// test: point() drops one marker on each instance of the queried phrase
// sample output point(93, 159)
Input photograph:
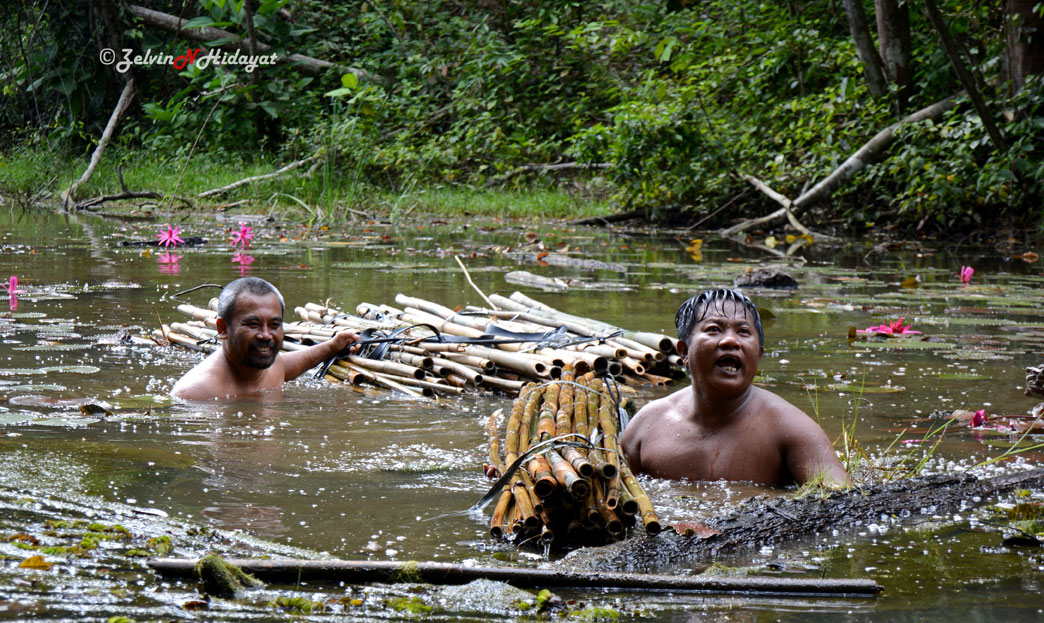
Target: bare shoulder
point(203, 382)
point(651, 418)
point(785, 415)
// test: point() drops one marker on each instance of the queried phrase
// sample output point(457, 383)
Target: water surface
point(360, 473)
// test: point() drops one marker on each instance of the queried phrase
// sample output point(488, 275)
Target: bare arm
point(630, 441)
point(809, 453)
point(297, 362)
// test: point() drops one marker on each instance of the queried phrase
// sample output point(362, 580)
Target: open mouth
point(729, 364)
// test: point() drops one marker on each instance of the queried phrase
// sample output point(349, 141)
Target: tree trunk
point(765, 521)
point(967, 81)
point(872, 66)
point(893, 34)
point(1025, 34)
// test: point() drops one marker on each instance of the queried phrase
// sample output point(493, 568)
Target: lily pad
point(43, 387)
point(857, 389)
point(67, 422)
point(18, 417)
point(53, 347)
point(904, 344)
point(27, 315)
point(21, 371)
point(72, 369)
point(960, 376)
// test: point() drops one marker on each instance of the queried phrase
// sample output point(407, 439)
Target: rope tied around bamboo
point(571, 486)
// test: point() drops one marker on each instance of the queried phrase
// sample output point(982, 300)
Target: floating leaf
point(53, 347)
point(960, 376)
point(906, 344)
point(18, 417)
point(44, 387)
point(35, 562)
point(72, 369)
point(67, 422)
point(21, 371)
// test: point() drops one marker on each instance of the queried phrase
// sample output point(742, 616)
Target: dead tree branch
point(125, 99)
point(864, 155)
point(257, 178)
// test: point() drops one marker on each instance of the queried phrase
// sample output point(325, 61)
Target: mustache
point(263, 344)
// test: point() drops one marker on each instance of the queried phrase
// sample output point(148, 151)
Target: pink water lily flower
point(979, 419)
point(966, 274)
point(12, 290)
point(12, 286)
point(893, 328)
point(243, 236)
point(169, 236)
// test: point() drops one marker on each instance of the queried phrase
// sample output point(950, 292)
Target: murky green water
point(359, 473)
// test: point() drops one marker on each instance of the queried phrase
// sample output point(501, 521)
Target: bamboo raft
point(424, 349)
point(564, 481)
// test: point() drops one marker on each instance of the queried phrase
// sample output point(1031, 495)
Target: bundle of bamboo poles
point(565, 493)
point(530, 342)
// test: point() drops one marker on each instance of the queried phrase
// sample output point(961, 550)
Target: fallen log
point(772, 520)
point(361, 571)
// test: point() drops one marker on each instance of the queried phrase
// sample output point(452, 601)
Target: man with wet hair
point(250, 326)
point(722, 427)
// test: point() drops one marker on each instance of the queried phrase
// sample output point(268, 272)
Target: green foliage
point(674, 100)
point(950, 173)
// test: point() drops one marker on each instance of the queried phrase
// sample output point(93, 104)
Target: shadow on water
point(357, 473)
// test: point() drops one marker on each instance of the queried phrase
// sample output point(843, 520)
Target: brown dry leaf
point(693, 529)
point(35, 562)
point(1029, 257)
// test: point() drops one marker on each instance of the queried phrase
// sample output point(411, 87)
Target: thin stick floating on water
point(360, 571)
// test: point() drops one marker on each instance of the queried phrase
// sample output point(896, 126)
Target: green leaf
point(203, 21)
point(349, 80)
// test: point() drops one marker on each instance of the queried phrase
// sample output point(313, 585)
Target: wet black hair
point(226, 308)
point(695, 309)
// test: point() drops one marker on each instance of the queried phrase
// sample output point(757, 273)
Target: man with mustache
point(722, 427)
point(250, 325)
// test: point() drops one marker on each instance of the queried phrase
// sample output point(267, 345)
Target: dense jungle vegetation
point(669, 109)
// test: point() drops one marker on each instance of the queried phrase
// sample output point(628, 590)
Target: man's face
point(255, 334)
point(724, 350)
